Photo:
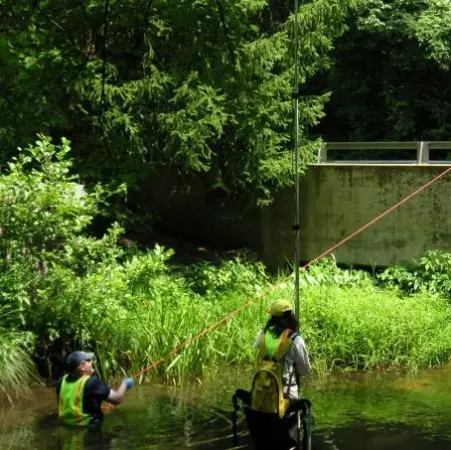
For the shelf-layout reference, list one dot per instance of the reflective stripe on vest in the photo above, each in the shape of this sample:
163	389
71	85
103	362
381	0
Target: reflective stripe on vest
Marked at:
70	408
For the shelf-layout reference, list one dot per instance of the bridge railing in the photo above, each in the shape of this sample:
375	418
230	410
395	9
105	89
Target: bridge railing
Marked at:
421	152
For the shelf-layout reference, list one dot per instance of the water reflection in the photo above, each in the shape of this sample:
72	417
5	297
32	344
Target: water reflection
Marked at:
384	412
368	437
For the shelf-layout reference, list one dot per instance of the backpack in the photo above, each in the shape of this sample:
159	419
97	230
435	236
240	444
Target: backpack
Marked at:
267	386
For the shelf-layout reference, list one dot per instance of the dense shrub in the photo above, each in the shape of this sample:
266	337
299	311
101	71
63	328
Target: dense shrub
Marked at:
432	273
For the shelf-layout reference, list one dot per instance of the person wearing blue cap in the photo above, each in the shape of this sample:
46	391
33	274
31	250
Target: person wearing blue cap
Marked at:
80	393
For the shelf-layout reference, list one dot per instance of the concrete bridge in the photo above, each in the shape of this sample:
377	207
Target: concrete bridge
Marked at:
337	197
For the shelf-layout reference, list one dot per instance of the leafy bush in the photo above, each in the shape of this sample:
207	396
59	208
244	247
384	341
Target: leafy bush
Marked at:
18	283
326	271
40	203
44	210
43	214
431	273
236	274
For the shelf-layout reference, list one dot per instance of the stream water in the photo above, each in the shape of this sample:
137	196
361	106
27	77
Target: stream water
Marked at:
384	412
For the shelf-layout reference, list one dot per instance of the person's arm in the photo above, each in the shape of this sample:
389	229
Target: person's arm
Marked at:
116	397
301	358
257	341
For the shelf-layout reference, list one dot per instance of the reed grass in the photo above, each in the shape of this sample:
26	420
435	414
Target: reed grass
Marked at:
17	368
346	327
135	313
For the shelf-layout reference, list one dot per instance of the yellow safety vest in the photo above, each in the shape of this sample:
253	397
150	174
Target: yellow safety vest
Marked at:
70	407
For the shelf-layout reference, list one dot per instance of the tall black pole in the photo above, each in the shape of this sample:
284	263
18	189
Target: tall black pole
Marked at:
296	157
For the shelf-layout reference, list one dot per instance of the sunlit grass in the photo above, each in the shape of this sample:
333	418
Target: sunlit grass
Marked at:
346	328
17	368
134	314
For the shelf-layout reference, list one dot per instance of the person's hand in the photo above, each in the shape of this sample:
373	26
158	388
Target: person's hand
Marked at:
107	407
128	382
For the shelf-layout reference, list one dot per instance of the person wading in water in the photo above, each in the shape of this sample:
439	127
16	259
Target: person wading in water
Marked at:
282	360
281	327
80	393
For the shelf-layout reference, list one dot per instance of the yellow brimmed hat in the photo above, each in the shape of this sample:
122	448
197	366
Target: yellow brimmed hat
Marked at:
279	307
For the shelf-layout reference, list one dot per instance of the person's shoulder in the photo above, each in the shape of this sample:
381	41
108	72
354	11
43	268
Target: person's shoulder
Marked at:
94	379
95	383
297	339
97	387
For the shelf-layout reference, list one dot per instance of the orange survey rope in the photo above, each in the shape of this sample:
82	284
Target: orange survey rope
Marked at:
217	324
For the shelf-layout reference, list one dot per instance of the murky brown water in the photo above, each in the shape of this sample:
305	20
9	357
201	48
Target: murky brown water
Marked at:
384	412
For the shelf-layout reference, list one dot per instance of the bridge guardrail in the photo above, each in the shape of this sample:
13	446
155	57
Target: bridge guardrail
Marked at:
422	149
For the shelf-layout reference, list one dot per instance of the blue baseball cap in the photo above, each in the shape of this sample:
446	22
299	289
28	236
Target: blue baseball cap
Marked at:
76	358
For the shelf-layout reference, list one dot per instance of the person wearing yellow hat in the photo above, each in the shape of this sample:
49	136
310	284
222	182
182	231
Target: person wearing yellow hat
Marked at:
283	322
273	401
272	406
279	308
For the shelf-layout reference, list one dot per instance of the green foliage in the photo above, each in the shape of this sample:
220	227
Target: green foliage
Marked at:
134	313
387	58
430	273
354	321
232	275
18	283
40	204
44	210
202	86
197	125
433	31
366	328
206	86
326	271
83	253
130	307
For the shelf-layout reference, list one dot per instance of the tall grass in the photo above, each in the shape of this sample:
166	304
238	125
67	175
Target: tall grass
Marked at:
17	368
134	313
361	328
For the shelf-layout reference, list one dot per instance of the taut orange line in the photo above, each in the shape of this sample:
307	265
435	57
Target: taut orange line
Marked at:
215	325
